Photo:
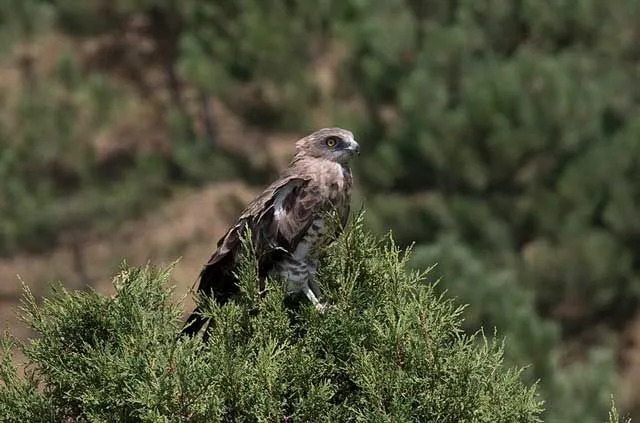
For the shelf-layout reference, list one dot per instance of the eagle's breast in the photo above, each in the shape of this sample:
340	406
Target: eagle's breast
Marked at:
300	265
336	184
332	184
309	245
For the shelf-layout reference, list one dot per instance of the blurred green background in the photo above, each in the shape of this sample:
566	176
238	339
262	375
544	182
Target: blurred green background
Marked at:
502	137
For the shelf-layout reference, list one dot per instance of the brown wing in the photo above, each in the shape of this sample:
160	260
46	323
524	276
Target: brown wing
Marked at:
277	219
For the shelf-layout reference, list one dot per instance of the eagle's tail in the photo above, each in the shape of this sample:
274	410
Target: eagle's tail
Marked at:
216	281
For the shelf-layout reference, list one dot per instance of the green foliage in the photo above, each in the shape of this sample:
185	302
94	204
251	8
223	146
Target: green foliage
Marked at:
576	392
389	349
256	56
51	179
22	20
614	417
499	135
525	156
54	181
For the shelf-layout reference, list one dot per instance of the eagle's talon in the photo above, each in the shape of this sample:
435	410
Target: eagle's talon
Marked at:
325	308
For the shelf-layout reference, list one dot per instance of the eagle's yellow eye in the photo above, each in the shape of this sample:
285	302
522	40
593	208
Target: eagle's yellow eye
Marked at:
332	141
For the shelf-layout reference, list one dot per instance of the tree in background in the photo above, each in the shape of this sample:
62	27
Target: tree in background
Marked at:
500	136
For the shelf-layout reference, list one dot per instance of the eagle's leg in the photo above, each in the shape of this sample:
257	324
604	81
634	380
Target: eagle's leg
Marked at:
311	279
314	288
312	297
299	276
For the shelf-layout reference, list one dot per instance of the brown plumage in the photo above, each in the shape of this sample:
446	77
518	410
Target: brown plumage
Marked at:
287	221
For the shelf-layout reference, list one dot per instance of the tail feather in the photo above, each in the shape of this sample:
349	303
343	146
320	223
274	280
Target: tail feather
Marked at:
216	281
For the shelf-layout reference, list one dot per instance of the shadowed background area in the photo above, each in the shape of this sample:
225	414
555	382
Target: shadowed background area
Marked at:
501	136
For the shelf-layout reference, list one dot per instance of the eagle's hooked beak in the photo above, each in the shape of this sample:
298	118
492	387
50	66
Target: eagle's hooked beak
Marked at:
354	148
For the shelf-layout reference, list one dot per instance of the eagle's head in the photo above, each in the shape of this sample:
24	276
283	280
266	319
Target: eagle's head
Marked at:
333	144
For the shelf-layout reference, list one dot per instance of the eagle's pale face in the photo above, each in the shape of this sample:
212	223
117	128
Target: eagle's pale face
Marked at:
334	144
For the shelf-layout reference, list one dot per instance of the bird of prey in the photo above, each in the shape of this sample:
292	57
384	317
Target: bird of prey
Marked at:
287	222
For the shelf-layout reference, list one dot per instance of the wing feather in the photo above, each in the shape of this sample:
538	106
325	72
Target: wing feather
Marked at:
277	219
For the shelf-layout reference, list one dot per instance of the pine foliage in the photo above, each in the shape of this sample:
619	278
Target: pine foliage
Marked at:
390	349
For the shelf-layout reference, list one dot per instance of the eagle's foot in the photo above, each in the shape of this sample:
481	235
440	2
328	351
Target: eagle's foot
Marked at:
322	308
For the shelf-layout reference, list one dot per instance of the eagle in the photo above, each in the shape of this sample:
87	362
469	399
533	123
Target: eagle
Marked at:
287	223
